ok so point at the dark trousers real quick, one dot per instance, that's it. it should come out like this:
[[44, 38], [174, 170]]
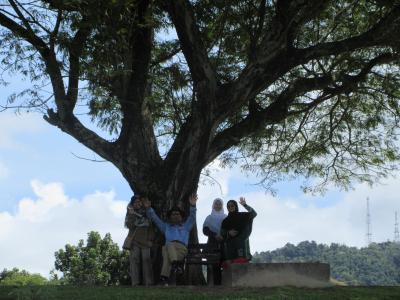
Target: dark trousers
[[214, 274], [214, 271], [140, 264]]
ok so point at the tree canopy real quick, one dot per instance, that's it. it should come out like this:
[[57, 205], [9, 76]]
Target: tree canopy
[[99, 262], [16, 277], [282, 87]]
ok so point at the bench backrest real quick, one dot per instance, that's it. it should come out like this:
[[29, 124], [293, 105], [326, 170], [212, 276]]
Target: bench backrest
[[203, 254]]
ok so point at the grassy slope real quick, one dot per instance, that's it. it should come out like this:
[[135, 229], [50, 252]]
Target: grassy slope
[[192, 293]]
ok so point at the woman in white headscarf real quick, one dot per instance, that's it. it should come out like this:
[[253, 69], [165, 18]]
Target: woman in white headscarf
[[211, 228]]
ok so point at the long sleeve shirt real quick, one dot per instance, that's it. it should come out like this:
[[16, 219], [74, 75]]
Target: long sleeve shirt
[[211, 236], [141, 231], [174, 232]]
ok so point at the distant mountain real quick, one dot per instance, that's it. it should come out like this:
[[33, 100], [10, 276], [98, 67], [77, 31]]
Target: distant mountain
[[377, 264]]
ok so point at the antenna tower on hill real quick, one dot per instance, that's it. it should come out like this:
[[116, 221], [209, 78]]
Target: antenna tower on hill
[[369, 234]]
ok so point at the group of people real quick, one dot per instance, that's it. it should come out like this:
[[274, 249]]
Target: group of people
[[229, 233]]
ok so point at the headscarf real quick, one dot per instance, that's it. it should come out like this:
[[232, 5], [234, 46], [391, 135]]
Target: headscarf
[[214, 220], [236, 220]]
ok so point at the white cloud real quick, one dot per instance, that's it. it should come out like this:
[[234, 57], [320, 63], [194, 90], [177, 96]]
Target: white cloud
[[280, 221], [40, 226], [51, 196]]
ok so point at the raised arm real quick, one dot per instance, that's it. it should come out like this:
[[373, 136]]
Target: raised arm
[[251, 211], [151, 214], [192, 216]]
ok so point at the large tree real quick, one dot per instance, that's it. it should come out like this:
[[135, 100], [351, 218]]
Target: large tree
[[299, 88]]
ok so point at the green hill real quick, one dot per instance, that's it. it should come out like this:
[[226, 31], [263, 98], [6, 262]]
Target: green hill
[[377, 264]]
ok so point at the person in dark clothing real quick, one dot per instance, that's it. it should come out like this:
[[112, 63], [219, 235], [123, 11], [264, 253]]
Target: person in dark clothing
[[211, 228], [235, 231]]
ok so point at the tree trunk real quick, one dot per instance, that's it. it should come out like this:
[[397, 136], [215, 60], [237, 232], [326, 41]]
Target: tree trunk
[[163, 191]]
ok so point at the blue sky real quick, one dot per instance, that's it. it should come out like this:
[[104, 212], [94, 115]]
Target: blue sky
[[34, 149], [50, 198]]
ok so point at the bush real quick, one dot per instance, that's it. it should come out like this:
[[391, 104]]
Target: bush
[[15, 277], [99, 262]]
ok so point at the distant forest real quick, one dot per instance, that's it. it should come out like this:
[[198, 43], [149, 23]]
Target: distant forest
[[377, 264]]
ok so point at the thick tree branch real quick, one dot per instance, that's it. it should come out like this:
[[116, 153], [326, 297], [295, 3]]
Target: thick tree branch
[[290, 16], [349, 83], [193, 47], [384, 33], [200, 125], [279, 109], [254, 39], [63, 118], [24, 33], [280, 59], [75, 52], [137, 64], [274, 113], [56, 29], [47, 55], [273, 57], [85, 136], [137, 133], [20, 15]]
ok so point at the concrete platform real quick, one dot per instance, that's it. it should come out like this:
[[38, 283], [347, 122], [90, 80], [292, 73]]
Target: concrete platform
[[277, 274]]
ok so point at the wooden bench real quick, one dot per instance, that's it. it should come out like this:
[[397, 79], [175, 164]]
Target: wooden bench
[[204, 254]]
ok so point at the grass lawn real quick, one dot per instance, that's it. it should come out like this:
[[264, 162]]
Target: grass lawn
[[192, 293]]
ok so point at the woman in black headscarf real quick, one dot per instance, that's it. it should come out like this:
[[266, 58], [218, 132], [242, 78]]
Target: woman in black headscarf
[[235, 230]]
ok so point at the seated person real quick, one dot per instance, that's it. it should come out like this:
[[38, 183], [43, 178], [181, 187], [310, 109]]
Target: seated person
[[176, 236], [235, 230], [212, 228]]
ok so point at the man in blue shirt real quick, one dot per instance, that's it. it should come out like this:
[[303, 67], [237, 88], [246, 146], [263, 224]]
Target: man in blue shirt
[[176, 235]]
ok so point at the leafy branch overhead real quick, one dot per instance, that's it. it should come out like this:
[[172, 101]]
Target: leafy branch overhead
[[302, 87]]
